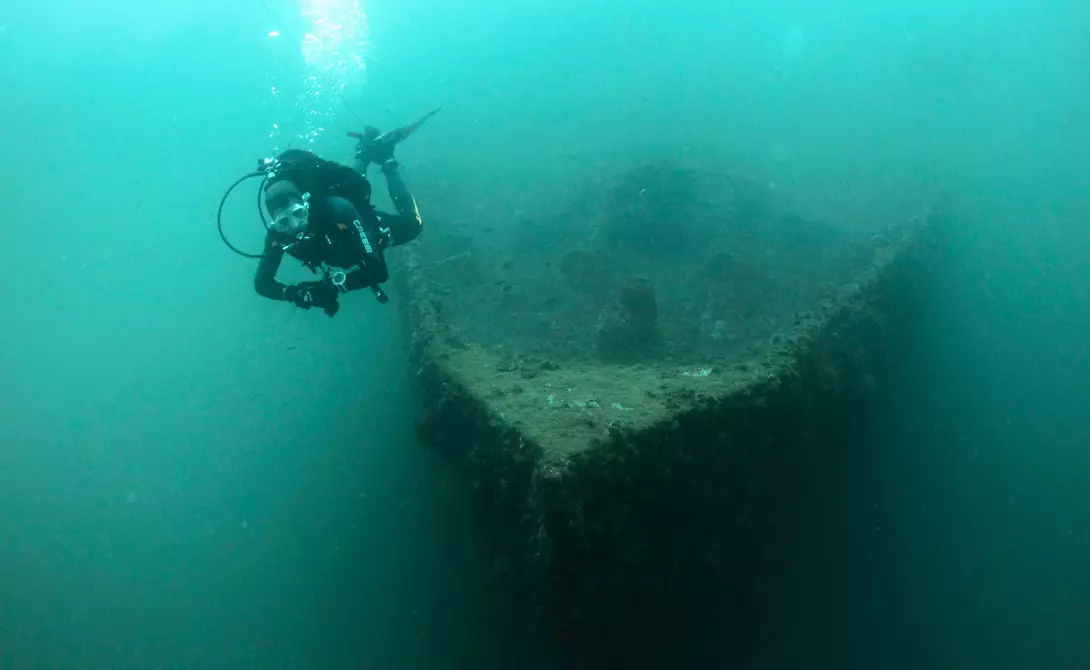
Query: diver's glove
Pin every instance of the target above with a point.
(378, 148)
(314, 294)
(389, 166)
(378, 151)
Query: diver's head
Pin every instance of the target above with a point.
(288, 209)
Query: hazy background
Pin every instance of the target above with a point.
(192, 476)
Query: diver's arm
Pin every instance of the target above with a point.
(360, 163)
(368, 275)
(407, 224)
(265, 280)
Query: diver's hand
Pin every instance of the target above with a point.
(378, 153)
(377, 150)
(314, 294)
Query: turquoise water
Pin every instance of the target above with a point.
(194, 477)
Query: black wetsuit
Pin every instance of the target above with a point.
(343, 231)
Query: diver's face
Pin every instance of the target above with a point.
(291, 219)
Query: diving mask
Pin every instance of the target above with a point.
(291, 219)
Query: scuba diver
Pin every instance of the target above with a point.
(321, 214)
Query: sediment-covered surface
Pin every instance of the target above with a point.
(624, 386)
